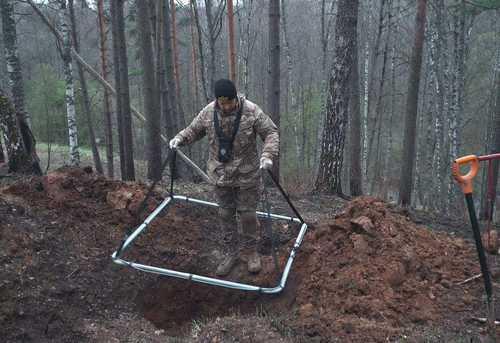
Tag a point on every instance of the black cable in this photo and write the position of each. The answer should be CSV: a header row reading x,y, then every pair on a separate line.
x,y
173,163
276,182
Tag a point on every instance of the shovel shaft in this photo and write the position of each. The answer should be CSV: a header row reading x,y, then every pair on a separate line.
x,y
479,247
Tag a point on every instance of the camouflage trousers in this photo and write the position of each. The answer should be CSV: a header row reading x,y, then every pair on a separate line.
x,y
242,203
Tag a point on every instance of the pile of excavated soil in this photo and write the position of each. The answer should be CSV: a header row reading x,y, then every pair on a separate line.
x,y
364,276
372,271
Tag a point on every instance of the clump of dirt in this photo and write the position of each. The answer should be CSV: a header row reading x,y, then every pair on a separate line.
x,y
363,276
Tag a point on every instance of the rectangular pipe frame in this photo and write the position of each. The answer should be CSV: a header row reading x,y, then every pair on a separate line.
x,y
204,279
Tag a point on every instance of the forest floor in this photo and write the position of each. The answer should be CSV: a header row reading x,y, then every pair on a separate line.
x,y
366,271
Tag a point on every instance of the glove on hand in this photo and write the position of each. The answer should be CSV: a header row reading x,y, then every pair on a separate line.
x,y
174,143
266,163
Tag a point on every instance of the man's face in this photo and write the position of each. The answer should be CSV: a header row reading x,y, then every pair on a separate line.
x,y
227,105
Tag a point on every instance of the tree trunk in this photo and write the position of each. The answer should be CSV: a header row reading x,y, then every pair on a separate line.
x,y
70,88
151,96
325,28
85,93
125,119
247,44
206,92
211,45
12,58
194,64
356,177
496,128
459,33
118,102
108,124
388,148
371,79
161,81
232,52
170,113
406,179
491,140
290,96
181,122
274,70
19,140
332,146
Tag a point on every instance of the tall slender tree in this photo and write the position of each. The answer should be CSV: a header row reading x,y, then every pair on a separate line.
x,y
274,69
214,26
177,77
199,36
356,175
151,101
85,92
107,99
326,21
170,111
70,86
232,52
332,145
406,178
122,88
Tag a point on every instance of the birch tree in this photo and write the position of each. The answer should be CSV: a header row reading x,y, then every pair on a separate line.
x,y
19,141
12,58
332,145
74,151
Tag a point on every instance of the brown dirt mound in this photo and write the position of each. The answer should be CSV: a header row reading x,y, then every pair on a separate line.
x,y
371,271
360,277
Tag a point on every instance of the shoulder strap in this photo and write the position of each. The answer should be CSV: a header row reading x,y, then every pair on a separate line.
x,y
236,126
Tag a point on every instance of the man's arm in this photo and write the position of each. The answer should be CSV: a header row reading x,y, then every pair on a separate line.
x,y
269,133
195,131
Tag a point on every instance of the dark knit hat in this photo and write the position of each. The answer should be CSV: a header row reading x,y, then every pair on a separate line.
x,y
225,88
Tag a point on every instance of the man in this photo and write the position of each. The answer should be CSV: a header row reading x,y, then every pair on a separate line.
x,y
232,124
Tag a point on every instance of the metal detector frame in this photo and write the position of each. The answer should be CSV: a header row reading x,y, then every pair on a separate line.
x,y
204,279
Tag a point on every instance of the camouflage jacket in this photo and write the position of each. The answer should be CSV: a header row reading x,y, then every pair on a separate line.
x,y
243,169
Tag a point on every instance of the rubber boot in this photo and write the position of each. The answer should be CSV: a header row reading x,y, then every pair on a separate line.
x,y
249,227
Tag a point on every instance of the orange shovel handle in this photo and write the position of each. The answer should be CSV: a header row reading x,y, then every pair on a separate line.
x,y
465,181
